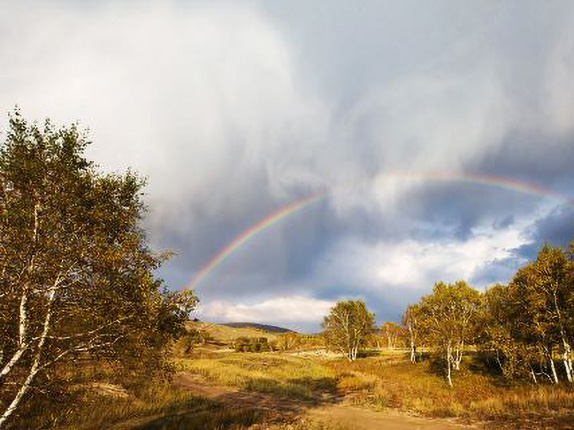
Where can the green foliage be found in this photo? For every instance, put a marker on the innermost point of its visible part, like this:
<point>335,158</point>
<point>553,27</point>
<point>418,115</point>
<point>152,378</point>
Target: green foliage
<point>520,326</point>
<point>76,273</point>
<point>527,321</point>
<point>347,327</point>
<point>448,319</point>
<point>253,344</point>
<point>392,334</point>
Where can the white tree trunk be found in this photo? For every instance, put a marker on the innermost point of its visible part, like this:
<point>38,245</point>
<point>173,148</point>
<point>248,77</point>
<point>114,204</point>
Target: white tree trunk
<point>10,365</point>
<point>553,369</point>
<point>448,364</point>
<point>458,355</point>
<point>533,375</point>
<point>35,365</point>
<point>567,350</point>
<point>566,357</point>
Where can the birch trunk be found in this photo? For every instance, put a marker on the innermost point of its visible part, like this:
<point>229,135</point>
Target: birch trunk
<point>449,364</point>
<point>35,365</point>
<point>533,375</point>
<point>567,359</point>
<point>552,366</point>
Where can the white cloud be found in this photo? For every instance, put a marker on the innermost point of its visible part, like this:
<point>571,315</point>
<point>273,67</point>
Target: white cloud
<point>279,310</point>
<point>203,98</point>
<point>557,93</point>
<point>218,105</point>
<point>416,264</point>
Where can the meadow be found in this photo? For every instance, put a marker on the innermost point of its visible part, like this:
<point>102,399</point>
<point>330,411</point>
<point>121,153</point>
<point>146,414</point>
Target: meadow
<point>387,381</point>
<point>214,387</point>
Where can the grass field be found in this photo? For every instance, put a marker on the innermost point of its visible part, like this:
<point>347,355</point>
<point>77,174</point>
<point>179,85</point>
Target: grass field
<point>384,381</point>
<point>476,394</point>
<point>282,375</point>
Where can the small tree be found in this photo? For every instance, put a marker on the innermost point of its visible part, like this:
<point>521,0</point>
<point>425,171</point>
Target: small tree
<point>448,320</point>
<point>391,333</point>
<point>347,326</point>
<point>288,341</point>
<point>412,328</point>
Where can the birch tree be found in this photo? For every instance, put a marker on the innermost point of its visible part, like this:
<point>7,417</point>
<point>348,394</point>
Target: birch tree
<point>391,333</point>
<point>76,272</point>
<point>505,336</point>
<point>542,291</point>
<point>448,318</point>
<point>347,326</point>
<point>411,328</point>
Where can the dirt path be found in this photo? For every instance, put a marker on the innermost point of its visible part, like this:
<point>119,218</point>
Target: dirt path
<point>327,410</point>
<point>364,419</point>
<point>236,398</point>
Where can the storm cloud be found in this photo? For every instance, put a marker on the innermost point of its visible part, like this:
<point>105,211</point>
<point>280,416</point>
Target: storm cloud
<point>235,109</point>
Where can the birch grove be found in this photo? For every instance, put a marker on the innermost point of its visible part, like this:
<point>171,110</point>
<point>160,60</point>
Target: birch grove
<point>529,323</point>
<point>526,328</point>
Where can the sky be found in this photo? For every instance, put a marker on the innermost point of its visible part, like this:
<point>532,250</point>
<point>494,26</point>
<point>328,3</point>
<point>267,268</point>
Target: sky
<point>234,110</point>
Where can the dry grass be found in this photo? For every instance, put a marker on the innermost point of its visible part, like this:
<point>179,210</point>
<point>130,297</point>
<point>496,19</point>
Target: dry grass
<point>378,382</point>
<point>227,334</point>
<point>89,410</point>
<point>476,395</point>
<point>281,375</point>
<point>389,381</point>
<point>155,407</point>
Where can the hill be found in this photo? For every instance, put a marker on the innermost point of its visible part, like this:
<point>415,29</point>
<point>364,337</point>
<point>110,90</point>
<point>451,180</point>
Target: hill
<point>227,334</point>
<point>262,327</point>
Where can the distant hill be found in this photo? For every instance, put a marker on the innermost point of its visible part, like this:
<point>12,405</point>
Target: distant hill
<point>262,327</point>
<point>228,333</point>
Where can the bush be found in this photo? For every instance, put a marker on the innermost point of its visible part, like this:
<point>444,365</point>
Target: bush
<point>253,344</point>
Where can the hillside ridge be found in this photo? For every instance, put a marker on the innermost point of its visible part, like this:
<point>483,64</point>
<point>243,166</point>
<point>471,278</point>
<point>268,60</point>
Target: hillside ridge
<point>263,327</point>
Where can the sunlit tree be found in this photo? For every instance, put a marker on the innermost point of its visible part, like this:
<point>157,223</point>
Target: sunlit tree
<point>448,320</point>
<point>391,333</point>
<point>412,329</point>
<point>543,297</point>
<point>347,327</point>
<point>76,273</point>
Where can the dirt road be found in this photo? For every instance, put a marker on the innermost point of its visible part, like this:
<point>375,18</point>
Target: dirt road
<point>328,409</point>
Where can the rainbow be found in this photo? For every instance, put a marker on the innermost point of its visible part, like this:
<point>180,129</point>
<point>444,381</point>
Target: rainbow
<point>497,181</point>
<point>251,232</point>
<point>473,178</point>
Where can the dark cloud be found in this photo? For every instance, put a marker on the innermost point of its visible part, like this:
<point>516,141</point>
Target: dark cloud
<point>236,109</point>
<point>556,228</point>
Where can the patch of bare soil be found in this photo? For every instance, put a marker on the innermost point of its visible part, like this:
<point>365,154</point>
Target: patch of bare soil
<point>328,409</point>
<point>364,419</point>
<point>107,389</point>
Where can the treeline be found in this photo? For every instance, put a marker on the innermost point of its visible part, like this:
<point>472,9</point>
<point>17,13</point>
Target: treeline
<point>524,328</point>
<point>289,341</point>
